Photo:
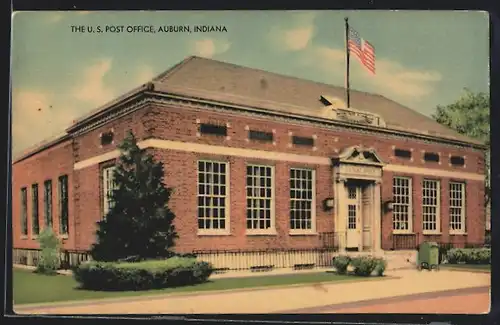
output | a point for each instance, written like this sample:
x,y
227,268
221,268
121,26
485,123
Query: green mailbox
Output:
x,y
428,256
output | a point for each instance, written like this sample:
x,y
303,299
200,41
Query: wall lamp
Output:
x,y
388,205
328,203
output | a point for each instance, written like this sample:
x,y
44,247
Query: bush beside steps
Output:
x,y
145,275
361,265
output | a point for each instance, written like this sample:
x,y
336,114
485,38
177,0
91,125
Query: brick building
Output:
x,y
261,161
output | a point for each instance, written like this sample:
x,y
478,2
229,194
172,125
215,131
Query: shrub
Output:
x,y
380,267
364,265
145,275
469,256
340,263
48,262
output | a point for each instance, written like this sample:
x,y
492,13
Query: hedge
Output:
x,y
469,256
362,265
145,275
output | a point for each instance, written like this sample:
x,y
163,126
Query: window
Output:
x,y
35,224
24,211
430,156
259,197
107,138
47,203
212,195
108,185
457,161
63,204
430,205
402,209
457,207
260,136
303,141
302,199
213,129
402,153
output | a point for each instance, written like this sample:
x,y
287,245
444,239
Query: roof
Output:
x,y
218,81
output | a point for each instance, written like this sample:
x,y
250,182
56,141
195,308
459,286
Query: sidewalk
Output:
x,y
274,300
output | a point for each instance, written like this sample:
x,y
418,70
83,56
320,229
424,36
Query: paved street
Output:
x,y
336,296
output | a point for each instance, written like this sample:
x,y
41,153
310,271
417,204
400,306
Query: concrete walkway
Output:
x,y
276,300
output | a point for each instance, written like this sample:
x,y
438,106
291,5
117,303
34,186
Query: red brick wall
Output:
x,y
48,164
181,125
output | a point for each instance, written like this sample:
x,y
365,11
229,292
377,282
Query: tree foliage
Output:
x,y
139,223
469,115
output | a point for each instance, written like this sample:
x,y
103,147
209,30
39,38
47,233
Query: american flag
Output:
x,y
363,50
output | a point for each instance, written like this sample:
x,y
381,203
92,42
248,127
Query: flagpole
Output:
x,y
347,95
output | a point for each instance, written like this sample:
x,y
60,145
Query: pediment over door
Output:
x,y
358,155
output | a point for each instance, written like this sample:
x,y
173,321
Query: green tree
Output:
x,y
49,255
139,223
470,116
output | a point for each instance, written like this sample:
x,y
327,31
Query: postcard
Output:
x,y
260,162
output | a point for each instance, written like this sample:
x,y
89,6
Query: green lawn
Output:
x,y
468,267
32,288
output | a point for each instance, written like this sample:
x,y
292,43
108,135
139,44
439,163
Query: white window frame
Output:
x,y
437,206
410,206
221,231
463,207
312,230
107,188
272,228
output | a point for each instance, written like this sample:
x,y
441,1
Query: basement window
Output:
x,y
107,138
402,153
431,156
457,160
303,141
260,136
213,129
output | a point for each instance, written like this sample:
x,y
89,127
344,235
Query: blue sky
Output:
x,y
422,58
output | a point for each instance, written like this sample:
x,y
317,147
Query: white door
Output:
x,y
353,216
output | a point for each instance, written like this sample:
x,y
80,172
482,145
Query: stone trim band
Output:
x,y
268,155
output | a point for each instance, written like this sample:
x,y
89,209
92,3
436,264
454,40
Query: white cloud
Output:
x,y
36,116
209,47
144,74
55,17
297,37
92,88
401,82
392,79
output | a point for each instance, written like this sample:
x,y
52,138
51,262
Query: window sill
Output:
x,y
432,233
399,232
458,233
213,233
261,232
62,236
303,233
24,237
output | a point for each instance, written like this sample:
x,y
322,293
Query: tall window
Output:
x,y
457,207
402,209
35,224
63,205
430,205
301,199
259,197
24,211
212,195
108,185
47,202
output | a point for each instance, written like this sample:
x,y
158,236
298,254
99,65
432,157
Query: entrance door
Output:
x,y
353,234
